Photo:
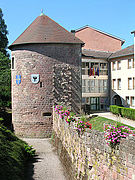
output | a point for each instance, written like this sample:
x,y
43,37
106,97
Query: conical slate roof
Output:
x,y
45,30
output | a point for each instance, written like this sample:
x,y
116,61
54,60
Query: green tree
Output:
x,y
3,34
5,81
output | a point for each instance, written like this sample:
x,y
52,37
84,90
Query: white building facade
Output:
x,y
111,83
123,77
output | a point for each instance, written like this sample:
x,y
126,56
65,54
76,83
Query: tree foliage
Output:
x,y
3,34
5,81
5,76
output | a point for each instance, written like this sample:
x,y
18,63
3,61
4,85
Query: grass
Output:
x,y
98,123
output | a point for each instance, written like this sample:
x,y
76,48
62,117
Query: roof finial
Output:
x,y
42,13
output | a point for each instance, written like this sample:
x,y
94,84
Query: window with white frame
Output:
x,y
132,101
129,63
114,84
133,63
83,85
119,84
102,85
94,68
127,100
114,65
130,83
103,68
118,65
94,85
133,83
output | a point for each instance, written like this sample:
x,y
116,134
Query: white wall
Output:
x,y
123,74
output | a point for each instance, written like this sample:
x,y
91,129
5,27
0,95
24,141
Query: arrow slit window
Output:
x,y
13,63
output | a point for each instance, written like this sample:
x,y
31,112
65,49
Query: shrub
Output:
x,y
123,111
80,125
14,154
128,113
113,134
30,152
115,109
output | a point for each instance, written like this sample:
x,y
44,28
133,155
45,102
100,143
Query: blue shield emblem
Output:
x,y
18,79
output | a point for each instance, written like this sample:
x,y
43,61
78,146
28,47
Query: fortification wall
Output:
x,y
56,65
89,158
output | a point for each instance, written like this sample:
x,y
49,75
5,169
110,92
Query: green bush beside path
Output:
x,y
123,111
14,154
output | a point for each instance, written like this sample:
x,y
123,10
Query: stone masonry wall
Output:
x,y
66,87
32,103
89,158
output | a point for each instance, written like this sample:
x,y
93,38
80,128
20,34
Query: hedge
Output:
x,y
123,111
128,113
115,109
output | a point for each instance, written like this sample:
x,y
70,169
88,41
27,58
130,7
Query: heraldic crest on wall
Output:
x,y
35,78
18,79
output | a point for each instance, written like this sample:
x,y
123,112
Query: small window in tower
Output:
x,y
47,114
41,84
13,63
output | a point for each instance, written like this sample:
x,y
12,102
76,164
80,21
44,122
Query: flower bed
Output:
x,y
112,134
69,117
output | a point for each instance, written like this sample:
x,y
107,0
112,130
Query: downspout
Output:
x,y
109,80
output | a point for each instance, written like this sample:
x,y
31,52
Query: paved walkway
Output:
x,y
109,115
47,165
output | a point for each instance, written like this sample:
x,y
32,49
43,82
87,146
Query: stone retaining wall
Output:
x,y
89,158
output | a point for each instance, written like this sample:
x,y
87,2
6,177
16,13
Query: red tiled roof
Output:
x,y
96,54
45,30
108,55
123,52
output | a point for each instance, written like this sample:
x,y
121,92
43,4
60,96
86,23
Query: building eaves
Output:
x,y
123,52
96,54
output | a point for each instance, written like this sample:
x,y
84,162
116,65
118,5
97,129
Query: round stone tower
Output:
x,y
46,69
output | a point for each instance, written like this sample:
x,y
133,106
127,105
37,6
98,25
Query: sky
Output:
x,y
116,17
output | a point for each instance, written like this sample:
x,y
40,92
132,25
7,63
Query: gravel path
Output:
x,y
109,115
47,165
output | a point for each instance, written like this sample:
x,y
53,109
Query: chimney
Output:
x,y
73,32
133,32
